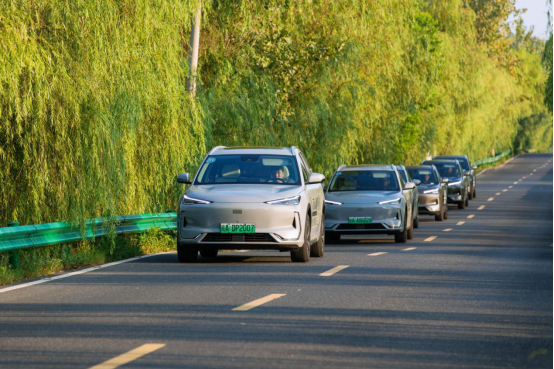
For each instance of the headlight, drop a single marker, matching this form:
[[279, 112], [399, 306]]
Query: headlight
[[390, 202], [329, 202], [436, 190], [191, 201], [454, 183], [295, 200]]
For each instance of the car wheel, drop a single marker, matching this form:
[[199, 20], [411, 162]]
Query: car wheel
[[401, 237], [302, 255], [467, 202], [416, 220], [440, 217], [319, 248], [185, 255], [470, 195], [410, 233], [462, 204], [212, 253], [474, 193], [332, 237], [445, 212]]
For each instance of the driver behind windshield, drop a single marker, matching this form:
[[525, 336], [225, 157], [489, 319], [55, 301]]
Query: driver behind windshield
[[277, 174]]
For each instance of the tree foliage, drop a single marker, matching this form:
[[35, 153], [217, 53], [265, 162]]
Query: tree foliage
[[95, 119]]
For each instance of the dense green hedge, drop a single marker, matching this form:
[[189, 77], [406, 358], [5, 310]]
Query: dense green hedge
[[95, 119]]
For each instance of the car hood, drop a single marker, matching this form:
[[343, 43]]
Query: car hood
[[252, 193], [426, 187], [454, 179], [361, 197]]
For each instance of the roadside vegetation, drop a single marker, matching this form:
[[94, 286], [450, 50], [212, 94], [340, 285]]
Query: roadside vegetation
[[95, 119]]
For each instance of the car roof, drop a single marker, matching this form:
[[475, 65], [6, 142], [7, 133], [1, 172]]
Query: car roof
[[365, 167], [450, 157], [438, 161], [418, 166], [245, 150]]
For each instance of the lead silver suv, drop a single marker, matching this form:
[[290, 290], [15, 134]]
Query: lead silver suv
[[252, 198]]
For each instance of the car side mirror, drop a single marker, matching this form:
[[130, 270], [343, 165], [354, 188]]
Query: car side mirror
[[417, 182], [316, 178], [474, 167], [444, 180], [184, 178], [409, 186], [467, 173]]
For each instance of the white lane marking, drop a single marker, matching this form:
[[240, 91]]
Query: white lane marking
[[470, 216], [510, 186], [505, 190], [377, 254], [481, 207], [531, 174], [447, 229], [336, 269], [460, 223], [82, 271], [534, 170], [429, 239], [490, 199], [413, 248], [482, 172], [129, 356], [498, 194], [515, 183], [258, 302]]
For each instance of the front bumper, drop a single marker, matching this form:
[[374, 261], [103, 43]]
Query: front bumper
[[385, 219], [278, 227], [455, 194], [429, 204]]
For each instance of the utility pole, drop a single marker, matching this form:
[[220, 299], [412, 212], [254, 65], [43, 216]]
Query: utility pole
[[194, 44]]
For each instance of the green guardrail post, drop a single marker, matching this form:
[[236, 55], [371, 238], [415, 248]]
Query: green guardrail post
[[13, 256]]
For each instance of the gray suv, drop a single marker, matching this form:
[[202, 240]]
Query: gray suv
[[458, 181], [468, 168], [259, 198], [369, 199]]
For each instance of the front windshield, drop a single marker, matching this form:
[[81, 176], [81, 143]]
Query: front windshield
[[426, 176], [364, 180], [462, 160], [448, 170], [251, 168]]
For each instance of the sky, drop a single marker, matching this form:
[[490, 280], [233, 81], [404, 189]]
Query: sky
[[535, 16]]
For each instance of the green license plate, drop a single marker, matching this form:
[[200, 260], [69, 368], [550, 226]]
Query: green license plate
[[359, 220], [237, 228]]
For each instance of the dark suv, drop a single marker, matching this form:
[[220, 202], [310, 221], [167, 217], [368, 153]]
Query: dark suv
[[467, 167], [458, 181]]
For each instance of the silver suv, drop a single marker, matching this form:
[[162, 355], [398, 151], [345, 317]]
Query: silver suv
[[260, 198]]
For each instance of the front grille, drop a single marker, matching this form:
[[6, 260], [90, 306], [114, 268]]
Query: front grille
[[373, 226], [248, 237]]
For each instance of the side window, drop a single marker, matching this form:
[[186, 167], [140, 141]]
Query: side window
[[305, 162], [401, 182], [305, 173]]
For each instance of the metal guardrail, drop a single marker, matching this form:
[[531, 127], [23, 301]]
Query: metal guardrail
[[27, 236], [492, 159]]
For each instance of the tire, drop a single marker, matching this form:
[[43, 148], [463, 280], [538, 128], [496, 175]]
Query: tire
[[302, 255], [474, 193], [185, 255], [446, 213], [467, 202], [470, 195], [410, 233], [401, 237], [211, 253], [318, 249], [440, 217], [462, 204], [332, 237], [416, 220]]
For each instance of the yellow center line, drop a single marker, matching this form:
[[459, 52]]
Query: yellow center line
[[447, 229], [490, 198], [429, 239], [129, 356], [409, 249], [258, 302], [330, 272], [481, 207], [460, 223], [376, 254]]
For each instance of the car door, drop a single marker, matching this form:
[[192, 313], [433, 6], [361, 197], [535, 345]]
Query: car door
[[315, 196], [409, 200]]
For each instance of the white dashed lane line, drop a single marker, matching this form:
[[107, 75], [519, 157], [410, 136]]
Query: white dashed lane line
[[377, 254], [460, 223], [481, 207], [470, 216], [505, 190], [497, 194], [510, 186], [490, 199], [129, 356], [413, 248], [258, 302], [447, 229], [429, 239], [336, 269]]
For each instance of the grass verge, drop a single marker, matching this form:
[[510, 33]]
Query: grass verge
[[47, 260]]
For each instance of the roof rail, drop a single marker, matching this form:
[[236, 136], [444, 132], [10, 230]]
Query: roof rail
[[292, 148], [216, 148], [339, 168]]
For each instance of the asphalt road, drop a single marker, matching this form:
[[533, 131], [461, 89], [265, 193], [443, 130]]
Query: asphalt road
[[476, 296]]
